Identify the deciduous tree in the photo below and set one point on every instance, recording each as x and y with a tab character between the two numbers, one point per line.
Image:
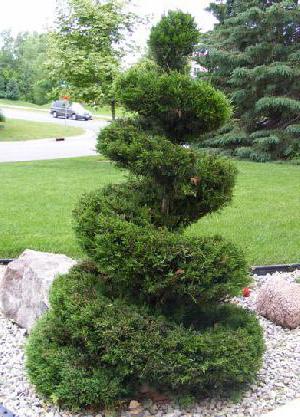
84	53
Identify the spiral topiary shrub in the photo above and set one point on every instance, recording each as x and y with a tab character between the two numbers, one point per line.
152	305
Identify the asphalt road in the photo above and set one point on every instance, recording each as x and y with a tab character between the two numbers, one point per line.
42	149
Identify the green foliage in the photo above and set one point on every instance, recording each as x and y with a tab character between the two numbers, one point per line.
173	40
184	208
260	146
2	87
173	103
153	308
145	155
244	152
22	58
294	130
278	106
129	345
152	259
12	90
83	55
253	55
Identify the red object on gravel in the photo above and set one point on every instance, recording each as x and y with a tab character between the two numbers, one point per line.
246	292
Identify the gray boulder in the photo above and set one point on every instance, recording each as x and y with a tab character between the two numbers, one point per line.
24	286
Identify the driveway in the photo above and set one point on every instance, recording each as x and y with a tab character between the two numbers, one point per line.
33	150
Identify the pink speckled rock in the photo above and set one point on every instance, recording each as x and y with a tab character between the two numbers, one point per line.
279	301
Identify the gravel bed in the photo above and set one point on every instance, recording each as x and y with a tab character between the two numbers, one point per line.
278	381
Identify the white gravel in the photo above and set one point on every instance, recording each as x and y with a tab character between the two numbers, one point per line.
278	381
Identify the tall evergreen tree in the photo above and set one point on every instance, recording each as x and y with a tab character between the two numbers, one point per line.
254	56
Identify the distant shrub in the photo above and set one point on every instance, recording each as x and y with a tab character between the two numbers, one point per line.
12	90
2	118
2	87
244	152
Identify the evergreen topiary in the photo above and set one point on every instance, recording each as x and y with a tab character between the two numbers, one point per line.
152	306
173	39
253	55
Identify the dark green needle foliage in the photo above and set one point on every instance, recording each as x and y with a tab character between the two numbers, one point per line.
173	39
254	56
151	307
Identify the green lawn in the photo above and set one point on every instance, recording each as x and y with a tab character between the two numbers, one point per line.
16	130
37	199
17	103
264	217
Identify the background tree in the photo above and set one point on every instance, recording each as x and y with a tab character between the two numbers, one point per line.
84	55
12	90
2	87
22	58
254	56
31	55
150	308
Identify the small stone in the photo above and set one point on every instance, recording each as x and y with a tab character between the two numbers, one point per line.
134	405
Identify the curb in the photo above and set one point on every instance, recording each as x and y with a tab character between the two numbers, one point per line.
5	261
270	269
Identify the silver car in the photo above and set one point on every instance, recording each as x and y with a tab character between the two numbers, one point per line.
75	111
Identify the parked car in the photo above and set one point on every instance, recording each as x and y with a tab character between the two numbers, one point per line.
75	111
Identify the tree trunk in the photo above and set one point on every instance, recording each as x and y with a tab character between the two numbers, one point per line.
113	109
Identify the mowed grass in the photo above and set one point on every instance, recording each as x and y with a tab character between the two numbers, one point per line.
37	199
17	103
16	130
264	216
